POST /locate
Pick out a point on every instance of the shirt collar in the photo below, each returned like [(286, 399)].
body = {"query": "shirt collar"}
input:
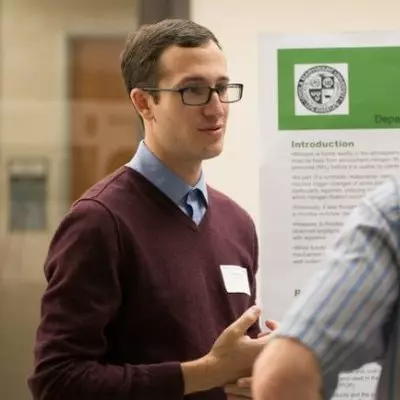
[(153, 169)]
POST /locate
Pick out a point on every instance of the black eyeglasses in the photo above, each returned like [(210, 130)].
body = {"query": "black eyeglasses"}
[(201, 95)]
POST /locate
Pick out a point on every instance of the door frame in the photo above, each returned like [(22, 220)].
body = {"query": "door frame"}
[(67, 38)]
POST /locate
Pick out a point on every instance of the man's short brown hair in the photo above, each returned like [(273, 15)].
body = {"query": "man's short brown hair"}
[(144, 47)]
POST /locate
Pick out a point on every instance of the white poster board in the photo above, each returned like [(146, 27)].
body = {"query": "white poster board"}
[(330, 132)]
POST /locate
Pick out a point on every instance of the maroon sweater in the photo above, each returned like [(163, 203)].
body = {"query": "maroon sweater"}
[(135, 288)]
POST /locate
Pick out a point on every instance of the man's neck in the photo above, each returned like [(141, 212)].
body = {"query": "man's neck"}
[(186, 171), (189, 172)]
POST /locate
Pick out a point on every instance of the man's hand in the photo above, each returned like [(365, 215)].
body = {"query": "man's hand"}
[(242, 388), (231, 357), (233, 353)]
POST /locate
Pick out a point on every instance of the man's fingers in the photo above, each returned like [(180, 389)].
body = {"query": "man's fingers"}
[(234, 390), (244, 382), (239, 328), (259, 343), (271, 324)]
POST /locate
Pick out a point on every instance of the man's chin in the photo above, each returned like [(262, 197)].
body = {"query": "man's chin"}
[(213, 150)]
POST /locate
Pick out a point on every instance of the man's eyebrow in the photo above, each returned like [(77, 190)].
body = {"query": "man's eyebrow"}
[(199, 79), (191, 79)]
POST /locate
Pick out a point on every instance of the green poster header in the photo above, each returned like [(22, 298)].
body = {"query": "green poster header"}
[(339, 88)]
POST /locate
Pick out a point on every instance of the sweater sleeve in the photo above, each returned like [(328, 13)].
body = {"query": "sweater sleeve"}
[(82, 297)]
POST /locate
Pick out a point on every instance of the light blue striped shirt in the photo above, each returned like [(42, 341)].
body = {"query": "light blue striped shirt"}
[(192, 201), (349, 314)]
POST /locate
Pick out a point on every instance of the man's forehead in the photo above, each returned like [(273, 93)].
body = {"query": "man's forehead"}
[(183, 63)]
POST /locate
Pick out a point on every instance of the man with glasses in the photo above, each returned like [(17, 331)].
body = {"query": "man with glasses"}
[(151, 275)]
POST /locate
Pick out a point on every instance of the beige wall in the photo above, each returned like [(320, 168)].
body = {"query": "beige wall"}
[(33, 119), (238, 25), (33, 67), (33, 109)]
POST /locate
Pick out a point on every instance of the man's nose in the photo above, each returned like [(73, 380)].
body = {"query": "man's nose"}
[(214, 106)]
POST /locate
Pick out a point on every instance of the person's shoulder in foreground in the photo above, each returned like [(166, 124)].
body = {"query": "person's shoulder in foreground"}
[(348, 315)]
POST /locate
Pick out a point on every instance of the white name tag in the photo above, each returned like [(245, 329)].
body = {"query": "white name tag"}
[(235, 279)]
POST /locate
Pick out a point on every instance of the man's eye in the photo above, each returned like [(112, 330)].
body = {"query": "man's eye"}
[(196, 90), (222, 89)]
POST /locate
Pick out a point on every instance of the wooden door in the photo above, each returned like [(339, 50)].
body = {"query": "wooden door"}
[(104, 129)]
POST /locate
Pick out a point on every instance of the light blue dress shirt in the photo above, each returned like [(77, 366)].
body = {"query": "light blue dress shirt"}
[(192, 200)]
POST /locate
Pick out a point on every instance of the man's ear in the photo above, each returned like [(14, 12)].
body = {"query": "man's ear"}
[(142, 101)]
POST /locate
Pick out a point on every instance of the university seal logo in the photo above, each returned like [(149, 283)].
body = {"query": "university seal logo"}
[(321, 89)]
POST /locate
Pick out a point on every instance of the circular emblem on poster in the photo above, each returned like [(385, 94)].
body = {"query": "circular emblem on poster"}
[(321, 89)]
